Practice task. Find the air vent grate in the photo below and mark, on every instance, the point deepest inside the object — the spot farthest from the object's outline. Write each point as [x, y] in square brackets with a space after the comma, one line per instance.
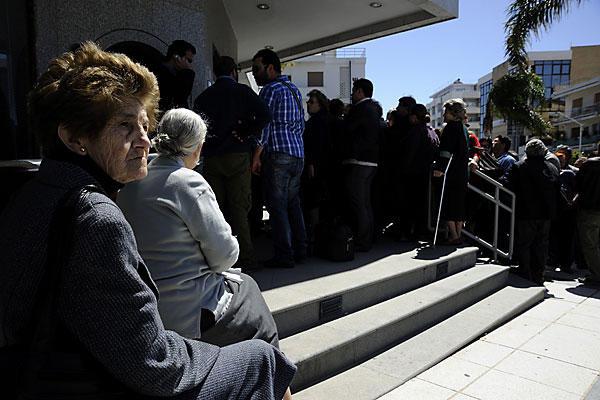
[330, 308]
[441, 270]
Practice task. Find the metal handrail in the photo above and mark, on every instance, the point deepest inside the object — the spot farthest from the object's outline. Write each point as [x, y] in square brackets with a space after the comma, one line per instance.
[497, 205]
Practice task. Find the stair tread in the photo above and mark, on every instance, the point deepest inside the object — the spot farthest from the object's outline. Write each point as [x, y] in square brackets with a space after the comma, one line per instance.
[390, 369]
[298, 294]
[329, 335]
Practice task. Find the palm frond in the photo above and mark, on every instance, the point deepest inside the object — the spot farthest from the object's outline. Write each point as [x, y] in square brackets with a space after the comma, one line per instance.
[530, 16]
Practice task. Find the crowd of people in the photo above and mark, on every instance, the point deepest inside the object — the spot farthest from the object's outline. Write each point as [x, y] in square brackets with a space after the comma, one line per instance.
[128, 278]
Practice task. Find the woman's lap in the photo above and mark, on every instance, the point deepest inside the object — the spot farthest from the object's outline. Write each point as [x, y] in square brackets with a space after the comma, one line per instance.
[248, 317]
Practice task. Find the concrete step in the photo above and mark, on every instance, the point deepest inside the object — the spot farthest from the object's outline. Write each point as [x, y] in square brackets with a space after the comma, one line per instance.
[328, 349]
[390, 369]
[302, 305]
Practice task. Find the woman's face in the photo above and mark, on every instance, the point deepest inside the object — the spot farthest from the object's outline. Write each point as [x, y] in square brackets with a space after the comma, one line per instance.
[448, 116]
[121, 149]
[312, 105]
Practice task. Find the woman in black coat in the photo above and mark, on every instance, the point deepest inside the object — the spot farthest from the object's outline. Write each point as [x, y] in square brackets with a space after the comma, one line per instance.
[453, 150]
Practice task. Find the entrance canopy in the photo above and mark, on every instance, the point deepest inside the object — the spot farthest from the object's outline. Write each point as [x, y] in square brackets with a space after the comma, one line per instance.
[296, 29]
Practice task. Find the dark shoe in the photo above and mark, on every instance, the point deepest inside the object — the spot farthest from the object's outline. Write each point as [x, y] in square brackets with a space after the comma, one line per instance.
[247, 265]
[274, 263]
[300, 259]
[590, 281]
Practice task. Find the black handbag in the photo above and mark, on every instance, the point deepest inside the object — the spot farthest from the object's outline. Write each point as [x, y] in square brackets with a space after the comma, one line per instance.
[51, 363]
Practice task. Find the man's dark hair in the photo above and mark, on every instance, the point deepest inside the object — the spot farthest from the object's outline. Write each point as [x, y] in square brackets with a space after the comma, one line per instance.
[366, 86]
[269, 57]
[179, 47]
[407, 102]
[336, 107]
[224, 66]
[505, 140]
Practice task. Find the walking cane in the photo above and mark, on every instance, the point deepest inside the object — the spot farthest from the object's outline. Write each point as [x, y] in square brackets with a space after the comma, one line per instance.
[437, 225]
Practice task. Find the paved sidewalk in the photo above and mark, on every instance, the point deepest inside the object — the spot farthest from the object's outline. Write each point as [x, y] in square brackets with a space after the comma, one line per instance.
[550, 352]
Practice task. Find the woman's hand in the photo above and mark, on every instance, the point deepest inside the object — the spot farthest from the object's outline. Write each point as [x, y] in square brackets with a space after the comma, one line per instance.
[437, 174]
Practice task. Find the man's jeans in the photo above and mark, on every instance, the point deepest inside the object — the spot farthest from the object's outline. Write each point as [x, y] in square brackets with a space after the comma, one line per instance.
[588, 224]
[281, 174]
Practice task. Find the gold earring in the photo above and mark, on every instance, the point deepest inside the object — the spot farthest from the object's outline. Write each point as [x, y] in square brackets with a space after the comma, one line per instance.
[82, 149]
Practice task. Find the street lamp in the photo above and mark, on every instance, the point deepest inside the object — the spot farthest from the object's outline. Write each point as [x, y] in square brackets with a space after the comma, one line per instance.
[565, 116]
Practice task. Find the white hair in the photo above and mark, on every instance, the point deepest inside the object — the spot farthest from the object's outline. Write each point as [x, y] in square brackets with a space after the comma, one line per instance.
[179, 133]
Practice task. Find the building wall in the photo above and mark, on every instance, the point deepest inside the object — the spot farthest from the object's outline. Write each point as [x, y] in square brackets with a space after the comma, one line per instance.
[585, 63]
[468, 92]
[331, 66]
[67, 22]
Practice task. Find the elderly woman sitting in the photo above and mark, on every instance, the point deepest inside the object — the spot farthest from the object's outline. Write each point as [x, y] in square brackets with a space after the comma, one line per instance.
[78, 307]
[188, 246]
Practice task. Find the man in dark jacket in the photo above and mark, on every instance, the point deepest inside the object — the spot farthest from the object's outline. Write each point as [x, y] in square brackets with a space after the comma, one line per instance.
[175, 76]
[587, 183]
[536, 186]
[234, 113]
[361, 155]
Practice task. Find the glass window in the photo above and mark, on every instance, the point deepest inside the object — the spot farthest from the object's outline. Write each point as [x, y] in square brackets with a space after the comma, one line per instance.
[539, 69]
[556, 69]
[315, 79]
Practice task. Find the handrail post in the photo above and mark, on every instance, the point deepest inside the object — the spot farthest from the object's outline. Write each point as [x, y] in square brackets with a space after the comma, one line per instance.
[496, 214]
[512, 226]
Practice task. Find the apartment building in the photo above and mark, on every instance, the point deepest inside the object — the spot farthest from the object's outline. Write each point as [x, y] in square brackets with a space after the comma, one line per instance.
[580, 119]
[468, 92]
[572, 90]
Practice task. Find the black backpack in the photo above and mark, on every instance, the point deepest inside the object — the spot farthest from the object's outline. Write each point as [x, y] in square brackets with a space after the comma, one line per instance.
[334, 241]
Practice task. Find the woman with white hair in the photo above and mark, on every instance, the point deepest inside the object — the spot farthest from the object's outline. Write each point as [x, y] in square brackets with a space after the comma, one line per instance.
[188, 246]
[453, 146]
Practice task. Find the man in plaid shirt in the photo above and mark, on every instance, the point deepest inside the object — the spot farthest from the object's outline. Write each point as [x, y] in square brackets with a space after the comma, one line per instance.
[282, 151]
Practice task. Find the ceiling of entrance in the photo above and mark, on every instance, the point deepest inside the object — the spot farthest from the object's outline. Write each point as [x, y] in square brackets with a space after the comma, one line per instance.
[297, 28]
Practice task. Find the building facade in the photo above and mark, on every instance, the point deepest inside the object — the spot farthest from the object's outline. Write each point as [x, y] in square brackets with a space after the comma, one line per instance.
[580, 119]
[570, 80]
[331, 72]
[468, 92]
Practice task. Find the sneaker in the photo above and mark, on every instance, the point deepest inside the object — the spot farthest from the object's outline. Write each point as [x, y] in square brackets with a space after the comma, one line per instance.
[274, 263]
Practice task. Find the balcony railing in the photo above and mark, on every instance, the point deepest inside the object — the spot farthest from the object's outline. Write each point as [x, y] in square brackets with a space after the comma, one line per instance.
[351, 52]
[583, 111]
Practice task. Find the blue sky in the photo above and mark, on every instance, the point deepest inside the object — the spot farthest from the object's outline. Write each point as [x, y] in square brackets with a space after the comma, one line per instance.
[423, 60]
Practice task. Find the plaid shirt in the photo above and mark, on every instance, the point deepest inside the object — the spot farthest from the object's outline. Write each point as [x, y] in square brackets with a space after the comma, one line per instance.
[284, 132]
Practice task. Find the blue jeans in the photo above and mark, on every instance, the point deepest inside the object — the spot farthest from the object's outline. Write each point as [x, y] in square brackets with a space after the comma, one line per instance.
[282, 173]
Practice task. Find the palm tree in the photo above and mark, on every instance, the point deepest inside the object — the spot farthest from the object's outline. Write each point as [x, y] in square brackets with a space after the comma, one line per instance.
[530, 16]
[512, 95]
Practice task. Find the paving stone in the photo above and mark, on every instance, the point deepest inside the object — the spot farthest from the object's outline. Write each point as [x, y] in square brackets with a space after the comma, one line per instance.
[574, 345]
[496, 385]
[550, 372]
[517, 332]
[587, 309]
[569, 291]
[453, 373]
[484, 353]
[581, 321]
[417, 389]
[550, 309]
[460, 396]
[593, 300]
